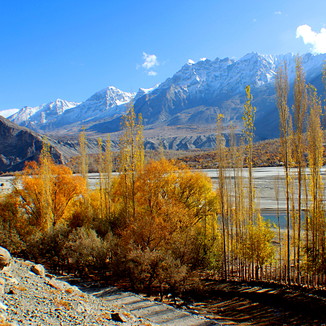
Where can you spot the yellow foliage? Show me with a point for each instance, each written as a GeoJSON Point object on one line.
{"type": "Point", "coordinates": [57, 188]}
{"type": "Point", "coordinates": [169, 199]}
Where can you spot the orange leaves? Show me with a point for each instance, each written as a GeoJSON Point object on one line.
{"type": "Point", "coordinates": [56, 190]}
{"type": "Point", "coordinates": [169, 199]}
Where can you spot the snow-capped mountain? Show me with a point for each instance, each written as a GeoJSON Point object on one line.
{"type": "Point", "coordinates": [199, 91]}
{"type": "Point", "coordinates": [8, 113]}
{"type": "Point", "coordinates": [192, 96]}
{"type": "Point", "coordinates": [42, 114]}
{"type": "Point", "coordinates": [105, 104]}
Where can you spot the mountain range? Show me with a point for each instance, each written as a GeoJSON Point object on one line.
{"type": "Point", "coordinates": [185, 105]}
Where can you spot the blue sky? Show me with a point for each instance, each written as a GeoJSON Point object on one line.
{"type": "Point", "coordinates": [70, 49]}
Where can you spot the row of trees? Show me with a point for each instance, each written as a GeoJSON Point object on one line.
{"type": "Point", "coordinates": [302, 140]}
{"type": "Point", "coordinates": [158, 223]}
{"type": "Point", "coordinates": [249, 242]}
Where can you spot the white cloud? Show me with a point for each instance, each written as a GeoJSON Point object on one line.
{"type": "Point", "coordinates": [316, 40]}
{"type": "Point", "coordinates": [278, 12]}
{"type": "Point", "coordinates": [150, 61]}
{"type": "Point", "coordinates": [152, 73]}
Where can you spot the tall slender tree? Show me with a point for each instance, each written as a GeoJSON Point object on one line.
{"type": "Point", "coordinates": [282, 90]}
{"type": "Point", "coordinates": [83, 154]}
{"type": "Point", "coordinates": [222, 190]}
{"type": "Point", "coordinates": [300, 109]}
{"type": "Point", "coordinates": [316, 249]}
{"type": "Point", "coordinates": [131, 158]}
{"type": "Point", "coordinates": [249, 119]}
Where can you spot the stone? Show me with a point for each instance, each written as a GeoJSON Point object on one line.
{"type": "Point", "coordinates": [38, 270]}
{"type": "Point", "coordinates": [118, 317]}
{"type": "Point", "coordinates": [5, 258]}
{"type": "Point", "coordinates": [2, 286]}
{"type": "Point", "coordinates": [55, 285]}
{"type": "Point", "coordinates": [3, 306]}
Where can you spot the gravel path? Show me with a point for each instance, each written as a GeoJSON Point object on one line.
{"type": "Point", "coordinates": [156, 312]}
{"type": "Point", "coordinates": [34, 298]}
{"type": "Point", "coordinates": [31, 299]}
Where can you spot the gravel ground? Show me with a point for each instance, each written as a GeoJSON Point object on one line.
{"type": "Point", "coordinates": [30, 299]}
{"type": "Point", "coordinates": [30, 296]}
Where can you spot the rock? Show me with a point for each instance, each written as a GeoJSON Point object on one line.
{"type": "Point", "coordinates": [5, 258]}
{"type": "Point", "coordinates": [2, 286]}
{"type": "Point", "coordinates": [19, 145]}
{"type": "Point", "coordinates": [55, 285]}
{"type": "Point", "coordinates": [118, 317]}
{"type": "Point", "coordinates": [3, 306]}
{"type": "Point", "coordinates": [12, 291]}
{"type": "Point", "coordinates": [38, 270]}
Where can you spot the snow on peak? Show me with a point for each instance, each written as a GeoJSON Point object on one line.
{"type": "Point", "coordinates": [42, 113]}
{"type": "Point", "coordinates": [190, 62]}
{"type": "Point", "coordinates": [112, 96]}
{"type": "Point", "coordinates": [8, 113]}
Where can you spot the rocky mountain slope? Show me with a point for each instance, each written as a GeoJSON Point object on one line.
{"type": "Point", "coordinates": [19, 145]}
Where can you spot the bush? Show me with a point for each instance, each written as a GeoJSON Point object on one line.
{"type": "Point", "coordinates": [85, 251]}
{"type": "Point", "coordinates": [10, 239]}
{"type": "Point", "coordinates": [47, 247]}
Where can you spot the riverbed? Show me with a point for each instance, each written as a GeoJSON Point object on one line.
{"type": "Point", "coordinates": [269, 184]}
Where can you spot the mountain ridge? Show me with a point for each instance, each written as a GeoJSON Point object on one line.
{"type": "Point", "coordinates": [194, 95]}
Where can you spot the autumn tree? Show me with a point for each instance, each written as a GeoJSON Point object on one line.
{"type": "Point", "coordinates": [47, 192]}
{"type": "Point", "coordinates": [316, 225]}
{"type": "Point", "coordinates": [282, 90]}
{"type": "Point", "coordinates": [249, 119]}
{"type": "Point", "coordinates": [173, 207]}
{"type": "Point", "coordinates": [83, 167]}
{"type": "Point", "coordinates": [131, 158]}
{"type": "Point", "coordinates": [222, 191]}
{"type": "Point", "coordinates": [300, 109]}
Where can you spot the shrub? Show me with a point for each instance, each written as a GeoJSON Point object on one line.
{"type": "Point", "coordinates": [85, 251]}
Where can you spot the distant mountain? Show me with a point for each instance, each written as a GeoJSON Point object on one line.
{"type": "Point", "coordinates": [8, 113]}
{"type": "Point", "coordinates": [105, 104]}
{"type": "Point", "coordinates": [199, 91]}
{"type": "Point", "coordinates": [33, 117]}
{"type": "Point", "coordinates": [19, 145]}
{"type": "Point", "coordinates": [190, 99]}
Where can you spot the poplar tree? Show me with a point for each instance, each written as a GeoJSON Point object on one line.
{"type": "Point", "coordinates": [100, 167]}
{"type": "Point", "coordinates": [282, 90]}
{"type": "Point", "coordinates": [222, 190]}
{"type": "Point", "coordinates": [83, 155]}
{"type": "Point", "coordinates": [315, 250]}
{"type": "Point", "coordinates": [249, 118]}
{"type": "Point", "coordinates": [131, 158]}
{"type": "Point", "coordinates": [107, 169]}
{"type": "Point", "coordinates": [300, 109]}
{"type": "Point", "coordinates": [46, 189]}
